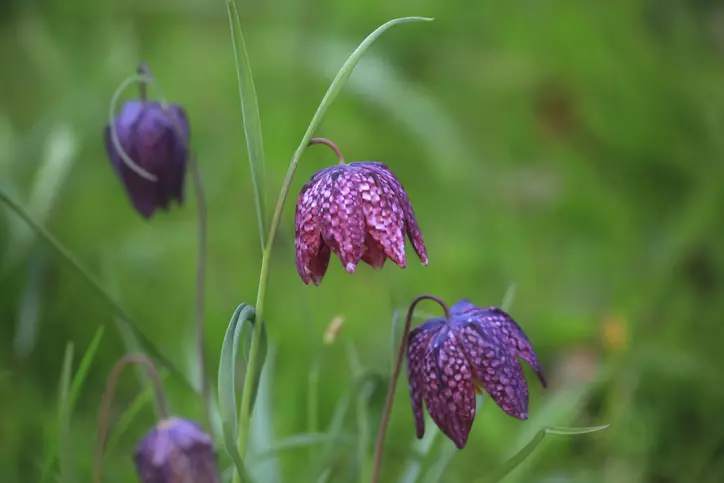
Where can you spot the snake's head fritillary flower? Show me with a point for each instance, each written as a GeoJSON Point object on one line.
{"type": "Point", "coordinates": [156, 140]}
{"type": "Point", "coordinates": [176, 451]}
{"type": "Point", "coordinates": [448, 360]}
{"type": "Point", "coordinates": [359, 211]}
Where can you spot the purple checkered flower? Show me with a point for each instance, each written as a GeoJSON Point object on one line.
{"type": "Point", "coordinates": [448, 360]}
{"type": "Point", "coordinates": [359, 211]}
{"type": "Point", "coordinates": [156, 140]}
{"type": "Point", "coordinates": [176, 451]}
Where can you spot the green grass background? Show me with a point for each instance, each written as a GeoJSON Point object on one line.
{"type": "Point", "coordinates": [571, 149]}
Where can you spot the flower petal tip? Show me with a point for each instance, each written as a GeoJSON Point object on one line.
{"type": "Point", "coordinates": [350, 267]}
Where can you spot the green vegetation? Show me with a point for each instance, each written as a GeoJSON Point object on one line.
{"type": "Point", "coordinates": [566, 153]}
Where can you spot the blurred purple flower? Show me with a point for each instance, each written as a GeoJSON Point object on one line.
{"type": "Point", "coordinates": [176, 451]}
{"type": "Point", "coordinates": [156, 140]}
{"type": "Point", "coordinates": [448, 361]}
{"type": "Point", "coordinates": [359, 211]}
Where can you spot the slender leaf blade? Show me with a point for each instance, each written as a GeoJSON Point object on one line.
{"type": "Point", "coordinates": [344, 73]}
{"type": "Point", "coordinates": [250, 116]}
{"type": "Point", "coordinates": [227, 383]}
{"type": "Point", "coordinates": [528, 449]}
{"type": "Point", "coordinates": [64, 415]}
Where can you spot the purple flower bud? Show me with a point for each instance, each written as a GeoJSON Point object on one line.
{"type": "Point", "coordinates": [448, 360]}
{"type": "Point", "coordinates": [156, 140]}
{"type": "Point", "coordinates": [176, 451]}
{"type": "Point", "coordinates": [359, 211]}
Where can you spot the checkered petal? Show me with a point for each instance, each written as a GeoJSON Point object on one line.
{"type": "Point", "coordinates": [418, 345]}
{"type": "Point", "coordinates": [343, 228]}
{"type": "Point", "coordinates": [449, 391]}
{"type": "Point", "coordinates": [384, 217]}
{"type": "Point", "coordinates": [411, 225]}
{"type": "Point", "coordinates": [494, 366]}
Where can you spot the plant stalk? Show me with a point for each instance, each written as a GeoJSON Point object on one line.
{"type": "Point", "coordinates": [393, 381]}
{"type": "Point", "coordinates": [109, 394]}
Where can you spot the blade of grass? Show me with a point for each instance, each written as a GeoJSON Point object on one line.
{"type": "Point", "coordinates": [363, 429]}
{"type": "Point", "coordinates": [148, 346]}
{"type": "Point", "coordinates": [251, 118]}
{"type": "Point", "coordinates": [75, 387]}
{"type": "Point", "coordinates": [124, 421]}
{"type": "Point", "coordinates": [227, 384]}
{"type": "Point", "coordinates": [526, 451]}
{"type": "Point", "coordinates": [64, 415]}
{"type": "Point", "coordinates": [303, 440]}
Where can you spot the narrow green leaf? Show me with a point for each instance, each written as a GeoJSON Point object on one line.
{"type": "Point", "coordinates": [124, 421]}
{"type": "Point", "coordinates": [227, 383]}
{"type": "Point", "coordinates": [75, 387]}
{"type": "Point", "coordinates": [303, 440]}
{"type": "Point", "coordinates": [134, 327]}
{"type": "Point", "coordinates": [574, 431]}
{"type": "Point", "coordinates": [528, 449]}
{"type": "Point", "coordinates": [64, 415]}
{"type": "Point", "coordinates": [250, 115]}
{"type": "Point", "coordinates": [343, 75]}
{"type": "Point", "coordinates": [84, 367]}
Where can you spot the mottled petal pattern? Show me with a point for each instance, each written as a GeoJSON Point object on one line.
{"type": "Point", "coordinates": [343, 227]}
{"type": "Point", "coordinates": [447, 358]}
{"type": "Point", "coordinates": [412, 227]}
{"type": "Point", "coordinates": [516, 338]}
{"type": "Point", "coordinates": [418, 344]}
{"type": "Point", "coordinates": [383, 216]}
{"type": "Point", "coordinates": [494, 366]}
{"type": "Point", "coordinates": [359, 212]}
{"type": "Point", "coordinates": [307, 233]}
{"type": "Point", "coordinates": [449, 390]}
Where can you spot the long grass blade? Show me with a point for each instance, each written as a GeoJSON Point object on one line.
{"type": "Point", "coordinates": [528, 449]}
{"type": "Point", "coordinates": [250, 115]}
{"type": "Point", "coordinates": [64, 415]}
{"type": "Point", "coordinates": [243, 315]}
{"type": "Point", "coordinates": [148, 346]}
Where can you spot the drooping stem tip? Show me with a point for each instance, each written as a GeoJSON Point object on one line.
{"type": "Point", "coordinates": [109, 395]}
{"type": "Point", "coordinates": [331, 145]}
{"type": "Point", "coordinates": [394, 377]}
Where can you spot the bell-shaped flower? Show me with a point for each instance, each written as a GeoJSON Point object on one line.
{"type": "Point", "coordinates": [154, 141]}
{"type": "Point", "coordinates": [448, 360]}
{"type": "Point", "coordinates": [359, 211]}
{"type": "Point", "coordinates": [176, 451]}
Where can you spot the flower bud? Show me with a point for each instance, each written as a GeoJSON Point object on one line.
{"type": "Point", "coordinates": [176, 451]}
{"type": "Point", "coordinates": [156, 140]}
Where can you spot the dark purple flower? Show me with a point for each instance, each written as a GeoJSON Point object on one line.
{"type": "Point", "coordinates": [359, 211]}
{"type": "Point", "coordinates": [176, 451]}
{"type": "Point", "coordinates": [156, 140]}
{"type": "Point", "coordinates": [448, 360]}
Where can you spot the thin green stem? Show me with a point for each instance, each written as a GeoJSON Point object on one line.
{"type": "Point", "coordinates": [68, 257]}
{"type": "Point", "coordinates": [393, 381]}
{"type": "Point", "coordinates": [332, 92]}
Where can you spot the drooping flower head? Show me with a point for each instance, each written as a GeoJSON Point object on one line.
{"type": "Point", "coordinates": [359, 211]}
{"type": "Point", "coordinates": [176, 451]}
{"type": "Point", "coordinates": [156, 140]}
{"type": "Point", "coordinates": [449, 359]}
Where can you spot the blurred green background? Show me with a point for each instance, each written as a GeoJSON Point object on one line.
{"type": "Point", "coordinates": [569, 151]}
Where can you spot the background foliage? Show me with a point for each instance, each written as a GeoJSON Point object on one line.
{"type": "Point", "coordinates": [568, 149]}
